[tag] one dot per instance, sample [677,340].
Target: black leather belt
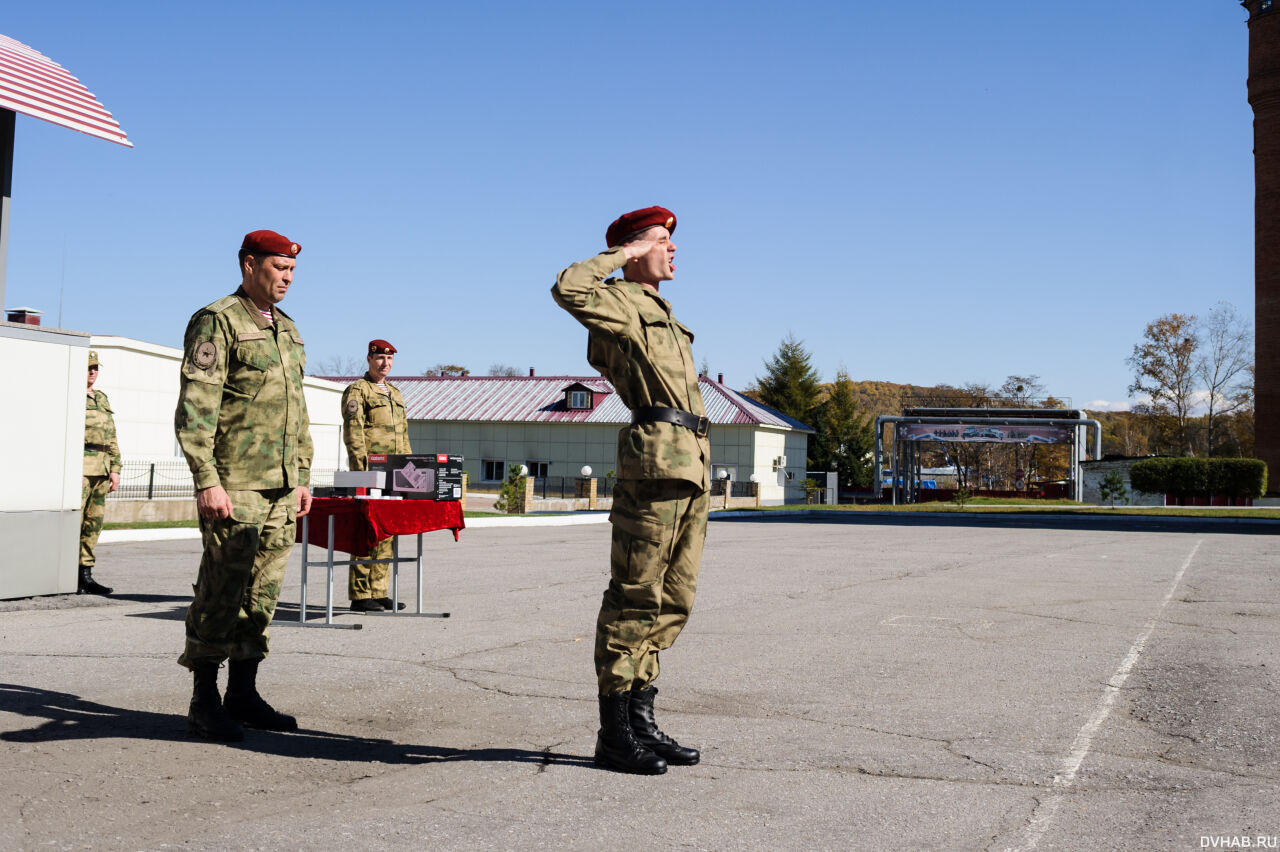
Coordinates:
[656,413]
[98,448]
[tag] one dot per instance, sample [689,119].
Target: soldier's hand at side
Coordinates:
[213,502]
[115,482]
[304,500]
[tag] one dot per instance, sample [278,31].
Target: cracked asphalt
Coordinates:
[862,683]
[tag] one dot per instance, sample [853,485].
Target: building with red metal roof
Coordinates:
[557,424]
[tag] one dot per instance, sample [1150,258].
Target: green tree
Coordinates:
[790,385]
[845,438]
[1112,488]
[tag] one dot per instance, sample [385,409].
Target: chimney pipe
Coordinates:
[25,316]
[720,378]
[530,372]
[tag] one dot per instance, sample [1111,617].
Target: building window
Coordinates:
[719,470]
[492,471]
[538,469]
[579,399]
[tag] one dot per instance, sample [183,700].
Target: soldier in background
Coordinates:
[101,476]
[242,423]
[660,500]
[373,421]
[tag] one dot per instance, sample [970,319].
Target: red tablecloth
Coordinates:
[360,524]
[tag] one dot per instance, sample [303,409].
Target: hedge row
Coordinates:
[1194,477]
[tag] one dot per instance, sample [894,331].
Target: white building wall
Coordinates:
[42,458]
[141,380]
[743,450]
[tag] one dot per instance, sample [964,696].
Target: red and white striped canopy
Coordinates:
[33,84]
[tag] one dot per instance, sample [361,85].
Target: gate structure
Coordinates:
[979,425]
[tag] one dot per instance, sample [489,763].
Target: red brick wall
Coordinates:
[1264,96]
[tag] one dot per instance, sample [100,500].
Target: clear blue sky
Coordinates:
[922,192]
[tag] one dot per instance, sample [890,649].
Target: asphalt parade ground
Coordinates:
[864,682]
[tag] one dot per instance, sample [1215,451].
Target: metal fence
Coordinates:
[566,487]
[737,488]
[141,480]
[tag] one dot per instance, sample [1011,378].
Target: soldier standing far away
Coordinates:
[373,421]
[660,500]
[242,424]
[101,476]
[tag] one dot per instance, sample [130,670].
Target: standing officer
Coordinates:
[373,421]
[243,426]
[660,500]
[101,476]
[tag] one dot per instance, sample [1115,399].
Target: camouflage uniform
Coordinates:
[372,422]
[242,423]
[101,459]
[660,501]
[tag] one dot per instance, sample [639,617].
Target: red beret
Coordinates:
[381,347]
[629,224]
[269,242]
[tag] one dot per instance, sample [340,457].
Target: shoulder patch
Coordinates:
[353,405]
[205,354]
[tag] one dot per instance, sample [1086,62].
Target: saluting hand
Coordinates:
[639,248]
[213,502]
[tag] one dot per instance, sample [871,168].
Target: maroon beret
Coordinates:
[629,224]
[269,242]
[381,347]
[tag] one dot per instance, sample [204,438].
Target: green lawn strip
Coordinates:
[1062,508]
[152,525]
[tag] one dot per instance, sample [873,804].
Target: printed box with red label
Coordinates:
[426,476]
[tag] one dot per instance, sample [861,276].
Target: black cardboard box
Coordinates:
[421,476]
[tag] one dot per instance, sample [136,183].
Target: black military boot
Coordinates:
[206,718]
[367,605]
[386,604]
[616,745]
[647,734]
[86,586]
[245,704]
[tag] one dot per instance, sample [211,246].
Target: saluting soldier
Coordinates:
[373,421]
[660,500]
[101,476]
[242,423]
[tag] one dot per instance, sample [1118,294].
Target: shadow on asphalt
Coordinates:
[69,717]
[286,612]
[139,598]
[1025,520]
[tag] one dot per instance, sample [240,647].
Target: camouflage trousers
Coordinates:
[371,581]
[93,509]
[240,577]
[658,530]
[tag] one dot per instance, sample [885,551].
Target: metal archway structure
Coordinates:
[905,467]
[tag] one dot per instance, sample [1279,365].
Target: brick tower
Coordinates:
[1264,97]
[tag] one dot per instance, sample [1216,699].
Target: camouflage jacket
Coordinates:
[242,417]
[637,345]
[373,422]
[99,433]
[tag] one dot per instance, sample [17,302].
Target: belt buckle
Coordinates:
[703,425]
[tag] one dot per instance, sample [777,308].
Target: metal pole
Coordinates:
[328,615]
[151,481]
[6,189]
[419,573]
[302,606]
[395,573]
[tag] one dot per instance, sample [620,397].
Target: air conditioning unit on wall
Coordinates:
[780,462]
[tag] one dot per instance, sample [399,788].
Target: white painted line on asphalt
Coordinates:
[162,534]
[175,533]
[1083,742]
